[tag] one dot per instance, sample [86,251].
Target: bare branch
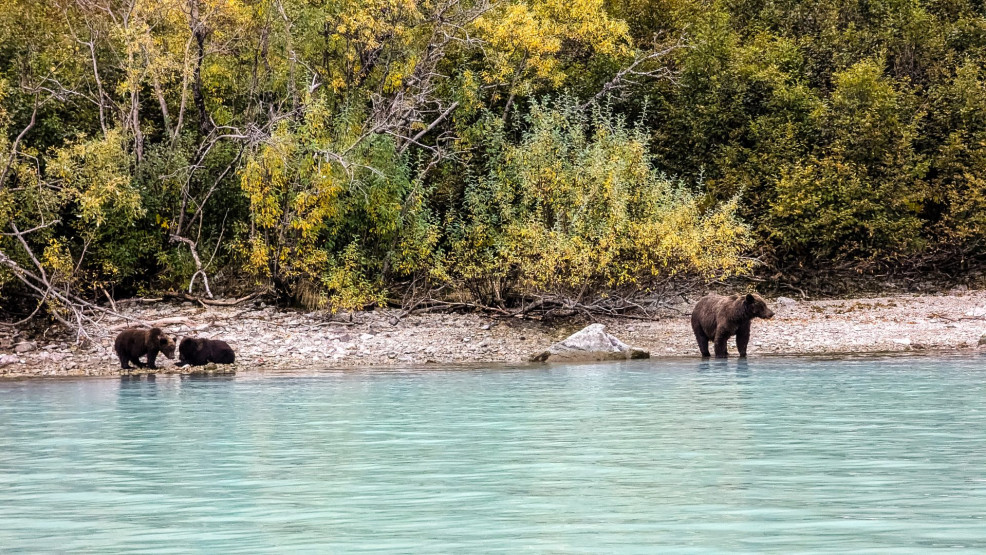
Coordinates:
[199,271]
[432,126]
[633,73]
[16,143]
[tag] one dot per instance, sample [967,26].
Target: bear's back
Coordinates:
[131,340]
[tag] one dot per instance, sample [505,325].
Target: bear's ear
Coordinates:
[750,299]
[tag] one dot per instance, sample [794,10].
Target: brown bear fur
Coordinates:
[717,318]
[198,351]
[131,344]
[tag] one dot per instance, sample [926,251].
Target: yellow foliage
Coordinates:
[526,39]
[57,261]
[351,290]
[96,174]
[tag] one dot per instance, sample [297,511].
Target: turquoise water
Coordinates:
[777,455]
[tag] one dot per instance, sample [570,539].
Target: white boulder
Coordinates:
[592,343]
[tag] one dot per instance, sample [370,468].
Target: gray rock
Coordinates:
[6,360]
[25,347]
[592,343]
[982,340]
[786,301]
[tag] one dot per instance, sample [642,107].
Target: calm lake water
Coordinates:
[782,455]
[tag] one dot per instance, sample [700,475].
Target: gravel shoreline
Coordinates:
[270,339]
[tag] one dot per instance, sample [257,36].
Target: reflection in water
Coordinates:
[739,366]
[207,377]
[782,455]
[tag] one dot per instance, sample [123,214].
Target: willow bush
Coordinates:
[327,229]
[576,208]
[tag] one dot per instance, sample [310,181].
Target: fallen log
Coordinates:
[212,302]
[139,300]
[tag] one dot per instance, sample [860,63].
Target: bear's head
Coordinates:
[164,344]
[188,347]
[756,307]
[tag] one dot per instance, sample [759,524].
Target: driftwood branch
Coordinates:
[199,270]
[212,302]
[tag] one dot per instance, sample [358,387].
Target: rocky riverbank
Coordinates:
[270,339]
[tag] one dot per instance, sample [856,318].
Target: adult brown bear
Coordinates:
[717,318]
[199,351]
[132,344]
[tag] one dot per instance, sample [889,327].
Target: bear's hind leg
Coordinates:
[703,342]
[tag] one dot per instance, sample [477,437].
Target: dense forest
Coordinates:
[344,153]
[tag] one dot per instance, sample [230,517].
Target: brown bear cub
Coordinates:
[198,351]
[132,344]
[717,318]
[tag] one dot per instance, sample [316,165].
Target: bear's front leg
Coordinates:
[151,355]
[743,338]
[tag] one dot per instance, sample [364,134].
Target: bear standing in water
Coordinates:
[198,351]
[132,344]
[717,318]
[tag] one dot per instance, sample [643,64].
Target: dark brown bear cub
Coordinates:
[717,318]
[198,351]
[132,344]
